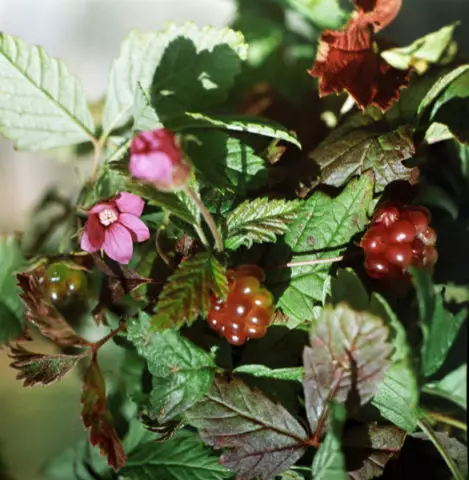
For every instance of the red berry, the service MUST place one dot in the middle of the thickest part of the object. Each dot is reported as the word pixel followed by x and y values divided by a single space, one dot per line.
pixel 428 237
pixel 375 239
pixel 258 317
pixel 215 320
pixel 431 255
pixel 377 266
pixel 387 214
pixel 238 306
pixel 235 335
pixel 246 285
pixel 399 254
pixel 418 216
pixel 249 271
pixel 401 231
pixel 253 331
pixel 263 298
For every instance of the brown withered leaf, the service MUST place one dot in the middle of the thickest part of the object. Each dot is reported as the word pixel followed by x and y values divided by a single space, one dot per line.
pixel 97 417
pixel 261 437
pixel 347 360
pixel 369 448
pixel 38 368
pixel 362 144
pixel 41 313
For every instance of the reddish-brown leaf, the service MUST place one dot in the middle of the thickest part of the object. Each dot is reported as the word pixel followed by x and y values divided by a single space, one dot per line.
pixel 40 312
pixel 97 417
pixel 39 368
pixel 349 59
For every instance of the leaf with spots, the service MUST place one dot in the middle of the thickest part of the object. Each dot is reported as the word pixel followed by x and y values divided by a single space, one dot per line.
pixel 262 439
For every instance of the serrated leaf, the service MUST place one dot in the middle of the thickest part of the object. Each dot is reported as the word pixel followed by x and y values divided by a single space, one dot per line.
pixel 262 438
pixel 362 144
pixel 176 61
pixel 259 220
pixel 181 372
pixel 42 105
pixel 11 306
pixel 236 123
pixel 39 368
pixel 349 351
pixel 326 227
pixel 439 326
pixel 97 417
pixel 452 387
pixel 369 448
pixel 181 458
pixel 226 162
pixel 42 314
pixel 293 373
pixel 329 463
pixel 187 291
pixel 430 48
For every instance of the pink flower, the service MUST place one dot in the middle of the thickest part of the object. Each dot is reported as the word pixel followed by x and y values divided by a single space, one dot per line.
pixel 114 225
pixel 156 158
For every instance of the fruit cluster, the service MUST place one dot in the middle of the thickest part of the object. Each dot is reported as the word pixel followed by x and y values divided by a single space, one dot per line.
pixel 399 237
pixel 62 283
pixel 248 309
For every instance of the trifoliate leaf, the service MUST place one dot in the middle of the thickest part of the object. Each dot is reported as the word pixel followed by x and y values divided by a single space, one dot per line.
pixel 236 123
pixel 42 105
pixel 97 417
pixel 226 162
pixel 182 458
pixel 439 326
pixel 11 306
pixel 42 314
pixel 329 463
pixel 453 387
pixel 425 51
pixel 349 350
pixel 189 68
pixel 39 368
pixel 262 438
pixel 187 291
pixel 259 220
pixel 326 227
pixel 181 372
pixel 362 144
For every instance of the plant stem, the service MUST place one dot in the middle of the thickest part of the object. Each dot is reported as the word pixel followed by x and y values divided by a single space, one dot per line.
pixel 318 261
pixel 160 251
pixel 97 345
pixel 423 425
pixel 439 417
pixel 207 217
pixel 98 147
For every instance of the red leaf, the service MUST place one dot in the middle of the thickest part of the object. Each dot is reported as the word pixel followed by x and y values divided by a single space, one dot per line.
pixel 98 419
pixel 349 60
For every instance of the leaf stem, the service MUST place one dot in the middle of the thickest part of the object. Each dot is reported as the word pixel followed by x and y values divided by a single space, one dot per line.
pixel 97 345
pixel 317 261
pixel 423 425
pixel 160 251
pixel 441 418
pixel 207 217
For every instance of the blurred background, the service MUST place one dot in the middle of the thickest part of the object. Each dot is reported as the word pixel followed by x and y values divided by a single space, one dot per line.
pixel 37 424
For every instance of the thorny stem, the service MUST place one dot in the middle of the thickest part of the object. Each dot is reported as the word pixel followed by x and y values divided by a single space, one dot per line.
pixel 207 217
pixel 441 418
pixel 97 345
pixel 423 425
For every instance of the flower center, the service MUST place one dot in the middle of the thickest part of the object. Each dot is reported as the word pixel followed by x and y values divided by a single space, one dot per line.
pixel 107 216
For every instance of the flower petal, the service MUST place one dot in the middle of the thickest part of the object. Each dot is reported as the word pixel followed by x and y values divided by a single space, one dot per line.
pixel 118 243
pixel 93 236
pixel 137 228
pixel 99 207
pixel 130 203
pixel 152 167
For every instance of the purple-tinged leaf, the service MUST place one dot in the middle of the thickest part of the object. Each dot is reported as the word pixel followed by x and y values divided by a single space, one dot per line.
pixel 261 437
pixel 348 355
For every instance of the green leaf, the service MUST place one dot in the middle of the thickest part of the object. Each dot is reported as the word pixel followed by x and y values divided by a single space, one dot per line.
pixel 329 462
pixel 293 373
pixel 259 220
pixel 453 387
pixel 226 162
pixel 42 105
pixel 326 227
pixel 11 306
pixel 37 368
pixel 262 438
pixel 187 292
pixel 236 123
pixel 181 372
pixel 431 48
pixel 439 327
pixel 182 458
pixel 188 67
pixel 362 144
pixel 145 117
pixel 348 350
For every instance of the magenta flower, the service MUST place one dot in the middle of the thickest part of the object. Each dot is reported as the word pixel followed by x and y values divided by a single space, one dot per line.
pixel 114 225
pixel 156 158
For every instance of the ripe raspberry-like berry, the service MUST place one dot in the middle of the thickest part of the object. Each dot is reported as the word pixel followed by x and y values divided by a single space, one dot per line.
pixel 399 254
pixel 401 231
pixel 419 217
pixel 375 240
pixel 428 236
pixel 387 214
pixel 377 266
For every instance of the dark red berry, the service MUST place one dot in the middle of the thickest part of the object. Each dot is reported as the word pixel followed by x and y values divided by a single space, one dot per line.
pixel 399 254
pixel 431 255
pixel 428 237
pixel 234 334
pixel 419 216
pixel 401 231
pixel 387 214
pixel 253 331
pixel 375 239
pixel 377 266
